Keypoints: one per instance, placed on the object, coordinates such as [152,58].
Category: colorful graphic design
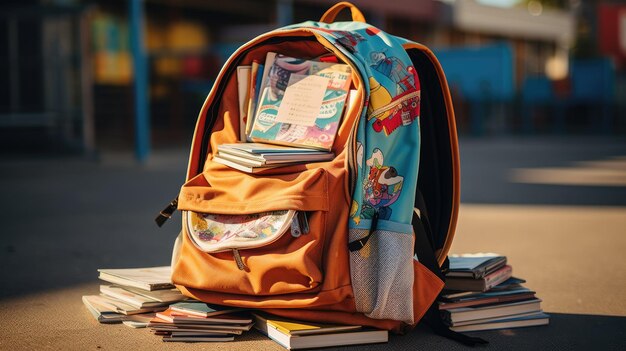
[347,39]
[381,188]
[390,113]
[268,127]
[395,70]
[401,114]
[214,232]
[375,32]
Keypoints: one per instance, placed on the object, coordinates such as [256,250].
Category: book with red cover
[175,317]
[197,308]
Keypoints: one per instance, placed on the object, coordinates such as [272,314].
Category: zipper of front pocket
[240,264]
[235,251]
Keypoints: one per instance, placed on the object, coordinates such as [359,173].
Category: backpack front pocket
[262,252]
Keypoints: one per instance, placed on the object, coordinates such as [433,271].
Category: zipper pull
[303,220]
[167,212]
[296,230]
[360,243]
[240,264]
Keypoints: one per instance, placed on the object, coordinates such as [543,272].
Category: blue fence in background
[482,81]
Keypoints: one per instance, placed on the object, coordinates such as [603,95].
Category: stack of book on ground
[195,321]
[292,102]
[481,294]
[146,297]
[134,295]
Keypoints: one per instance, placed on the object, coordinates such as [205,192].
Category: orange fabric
[221,189]
[306,277]
[425,289]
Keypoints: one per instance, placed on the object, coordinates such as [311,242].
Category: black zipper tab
[167,212]
[360,243]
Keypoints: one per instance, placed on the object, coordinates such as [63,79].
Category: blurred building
[499,60]
[69,66]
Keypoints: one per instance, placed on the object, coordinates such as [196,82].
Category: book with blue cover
[301,103]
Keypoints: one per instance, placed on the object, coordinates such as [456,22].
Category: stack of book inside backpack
[256,157]
[146,297]
[481,294]
[292,102]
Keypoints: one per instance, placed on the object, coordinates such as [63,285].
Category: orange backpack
[369,241]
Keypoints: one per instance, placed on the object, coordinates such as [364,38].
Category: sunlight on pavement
[608,172]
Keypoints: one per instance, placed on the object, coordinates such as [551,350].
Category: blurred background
[85,76]
[98,102]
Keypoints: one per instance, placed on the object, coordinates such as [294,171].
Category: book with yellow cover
[301,328]
[301,335]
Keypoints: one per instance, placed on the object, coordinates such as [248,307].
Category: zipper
[296,230]
[240,264]
[297,217]
[299,224]
[167,212]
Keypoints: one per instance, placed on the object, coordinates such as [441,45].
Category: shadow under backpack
[373,254]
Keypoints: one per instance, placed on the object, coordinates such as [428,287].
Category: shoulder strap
[426,256]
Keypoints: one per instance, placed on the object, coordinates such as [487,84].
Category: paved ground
[65,217]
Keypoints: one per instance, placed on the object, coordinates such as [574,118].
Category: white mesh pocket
[382,275]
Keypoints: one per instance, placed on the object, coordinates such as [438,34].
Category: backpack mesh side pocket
[382,275]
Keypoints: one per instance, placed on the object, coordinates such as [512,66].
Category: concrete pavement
[63,218]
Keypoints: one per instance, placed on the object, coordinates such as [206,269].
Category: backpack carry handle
[330,15]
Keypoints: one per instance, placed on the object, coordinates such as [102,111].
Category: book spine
[498,277]
[190,312]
